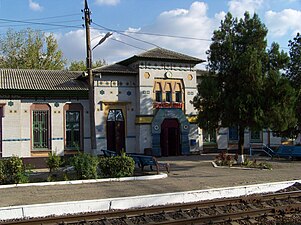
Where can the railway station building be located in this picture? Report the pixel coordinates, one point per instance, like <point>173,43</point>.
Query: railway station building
<point>142,105</point>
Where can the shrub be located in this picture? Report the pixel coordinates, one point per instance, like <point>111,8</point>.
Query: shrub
<point>12,171</point>
<point>85,165</point>
<point>54,161</point>
<point>253,164</point>
<point>224,160</point>
<point>117,166</point>
<point>2,173</point>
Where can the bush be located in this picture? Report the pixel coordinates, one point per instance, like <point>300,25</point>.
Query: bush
<point>117,166</point>
<point>224,160</point>
<point>85,165</point>
<point>12,171</point>
<point>54,161</point>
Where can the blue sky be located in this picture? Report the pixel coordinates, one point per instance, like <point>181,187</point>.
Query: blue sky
<point>185,18</point>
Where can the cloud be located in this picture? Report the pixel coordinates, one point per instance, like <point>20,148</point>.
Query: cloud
<point>285,22</point>
<point>238,7</point>
<point>107,2</point>
<point>35,6</point>
<point>191,22</point>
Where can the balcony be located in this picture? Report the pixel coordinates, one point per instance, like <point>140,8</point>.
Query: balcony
<point>161,105</point>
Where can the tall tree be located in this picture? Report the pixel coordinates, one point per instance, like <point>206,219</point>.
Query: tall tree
<point>29,49</point>
<point>81,65</point>
<point>241,72</point>
<point>294,74</point>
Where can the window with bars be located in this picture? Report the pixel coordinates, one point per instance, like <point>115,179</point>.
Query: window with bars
<point>233,133</point>
<point>115,115</point>
<point>209,136</point>
<point>256,136</point>
<point>40,129</point>
<point>73,129</point>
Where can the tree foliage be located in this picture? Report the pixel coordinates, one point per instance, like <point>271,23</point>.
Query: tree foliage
<point>30,49</point>
<point>294,74</point>
<point>244,88</point>
<point>81,65</point>
<point>294,67</point>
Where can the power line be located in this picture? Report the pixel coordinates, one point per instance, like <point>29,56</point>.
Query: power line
<point>154,34</point>
<point>51,17</point>
<point>137,39</point>
<point>114,39</point>
<point>37,23</point>
<point>8,24</point>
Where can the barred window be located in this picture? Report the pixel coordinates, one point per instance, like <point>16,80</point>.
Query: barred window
<point>40,129</point>
<point>73,129</point>
<point>233,133</point>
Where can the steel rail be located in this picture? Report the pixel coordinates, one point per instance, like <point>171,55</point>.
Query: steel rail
<point>95,216</point>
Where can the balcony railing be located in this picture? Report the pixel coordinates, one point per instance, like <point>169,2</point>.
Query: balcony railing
<point>160,105</point>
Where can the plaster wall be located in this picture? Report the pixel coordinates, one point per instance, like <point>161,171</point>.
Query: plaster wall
<point>17,126</point>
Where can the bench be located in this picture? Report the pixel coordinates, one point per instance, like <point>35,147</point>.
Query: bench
<point>143,160</point>
<point>108,153</point>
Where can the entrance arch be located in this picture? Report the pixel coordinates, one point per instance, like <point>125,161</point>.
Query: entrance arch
<point>170,137</point>
<point>183,131</point>
<point>115,131</point>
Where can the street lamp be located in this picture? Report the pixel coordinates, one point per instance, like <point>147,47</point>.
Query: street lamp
<point>90,74</point>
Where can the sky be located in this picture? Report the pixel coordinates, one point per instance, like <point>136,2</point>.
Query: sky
<point>184,26</point>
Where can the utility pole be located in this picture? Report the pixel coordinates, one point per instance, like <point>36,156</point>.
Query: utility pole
<point>90,76</point>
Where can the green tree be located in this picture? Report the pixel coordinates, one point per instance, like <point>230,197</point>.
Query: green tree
<point>294,74</point>
<point>30,49</point>
<point>242,79</point>
<point>81,65</point>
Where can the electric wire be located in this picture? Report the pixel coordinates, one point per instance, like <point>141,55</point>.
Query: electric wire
<point>152,34</point>
<point>137,39</point>
<point>19,25</point>
<point>37,23</point>
<point>50,17</point>
<point>114,39</point>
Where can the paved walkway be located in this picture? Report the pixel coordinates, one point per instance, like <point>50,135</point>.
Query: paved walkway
<point>193,172</point>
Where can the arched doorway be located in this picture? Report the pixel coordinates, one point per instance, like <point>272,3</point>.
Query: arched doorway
<point>170,137</point>
<point>115,130</point>
<point>183,124</point>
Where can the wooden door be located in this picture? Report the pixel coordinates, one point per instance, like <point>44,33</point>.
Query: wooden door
<point>115,130</point>
<point>170,138</point>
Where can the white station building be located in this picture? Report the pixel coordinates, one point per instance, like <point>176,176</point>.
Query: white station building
<point>142,105</point>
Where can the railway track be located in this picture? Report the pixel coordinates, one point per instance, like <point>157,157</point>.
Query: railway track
<point>254,209</point>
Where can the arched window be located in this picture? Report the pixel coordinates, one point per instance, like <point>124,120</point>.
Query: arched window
<point>158,92</point>
<point>41,123</point>
<point>178,93</point>
<point>168,92</point>
<point>73,116</point>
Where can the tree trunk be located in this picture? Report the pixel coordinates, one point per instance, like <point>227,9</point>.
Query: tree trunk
<point>241,140</point>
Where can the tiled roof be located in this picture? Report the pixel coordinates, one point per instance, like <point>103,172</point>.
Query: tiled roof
<point>115,68</point>
<point>162,55</point>
<point>54,80</point>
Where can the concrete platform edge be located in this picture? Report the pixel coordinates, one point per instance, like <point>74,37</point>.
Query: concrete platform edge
<point>61,208</point>
<point>148,177</point>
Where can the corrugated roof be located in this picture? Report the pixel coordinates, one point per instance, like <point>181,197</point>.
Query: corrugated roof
<point>26,79</point>
<point>162,55</point>
<point>115,68</point>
